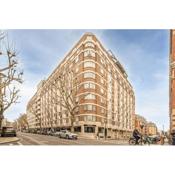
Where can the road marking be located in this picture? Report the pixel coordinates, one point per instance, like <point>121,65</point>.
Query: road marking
<point>32,139</point>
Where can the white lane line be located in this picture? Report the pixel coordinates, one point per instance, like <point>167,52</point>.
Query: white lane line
<point>32,139</point>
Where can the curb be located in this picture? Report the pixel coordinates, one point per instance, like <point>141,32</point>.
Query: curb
<point>2,143</point>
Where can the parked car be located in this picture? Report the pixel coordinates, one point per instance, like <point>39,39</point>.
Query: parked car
<point>38,132</point>
<point>67,134</point>
<point>8,131</point>
<point>50,132</point>
<point>25,131</point>
<point>44,132</point>
<point>57,134</point>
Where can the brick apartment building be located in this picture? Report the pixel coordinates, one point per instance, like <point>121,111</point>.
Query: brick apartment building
<point>172,80</point>
<point>148,128</point>
<point>105,98</point>
<point>151,128</point>
<point>140,124</point>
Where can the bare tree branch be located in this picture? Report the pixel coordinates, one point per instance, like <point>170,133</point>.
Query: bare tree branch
<point>9,76</point>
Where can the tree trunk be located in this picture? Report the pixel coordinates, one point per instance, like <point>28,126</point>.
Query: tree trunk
<point>1,118</point>
<point>72,125</point>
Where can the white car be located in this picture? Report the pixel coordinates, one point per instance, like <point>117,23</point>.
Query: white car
<point>57,133</point>
<point>67,134</point>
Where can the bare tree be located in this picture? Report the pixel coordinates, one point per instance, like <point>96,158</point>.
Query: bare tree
<point>65,93</point>
<point>22,122</point>
<point>9,76</point>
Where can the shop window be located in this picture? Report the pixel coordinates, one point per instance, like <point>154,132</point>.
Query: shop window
<point>89,129</point>
<point>77,129</point>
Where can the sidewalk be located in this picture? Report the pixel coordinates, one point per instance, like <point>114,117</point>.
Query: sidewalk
<point>5,140</point>
<point>107,140</point>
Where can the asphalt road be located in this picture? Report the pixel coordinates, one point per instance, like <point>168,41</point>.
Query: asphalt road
<point>37,139</point>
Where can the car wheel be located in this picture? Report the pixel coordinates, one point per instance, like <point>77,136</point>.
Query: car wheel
<point>67,137</point>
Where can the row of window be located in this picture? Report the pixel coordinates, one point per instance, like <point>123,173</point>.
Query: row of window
<point>92,75</point>
<point>92,86</point>
<point>93,97</point>
<point>90,107</point>
<point>91,64</point>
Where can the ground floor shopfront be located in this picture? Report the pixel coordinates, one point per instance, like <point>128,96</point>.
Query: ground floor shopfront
<point>91,131</point>
<point>94,131</point>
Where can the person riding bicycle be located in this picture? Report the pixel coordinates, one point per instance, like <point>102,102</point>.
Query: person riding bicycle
<point>136,135</point>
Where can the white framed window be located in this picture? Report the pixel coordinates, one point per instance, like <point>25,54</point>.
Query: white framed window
<point>102,111</point>
<point>102,81</point>
<point>102,100</point>
<point>90,97</point>
<point>74,50</point>
<point>77,69</point>
<point>89,53</point>
<point>102,91</point>
<point>89,86</point>
<point>102,71</point>
<point>89,75</point>
<point>109,69</point>
<point>100,52</point>
<point>89,118</point>
<point>77,99</point>
<point>89,44</point>
<point>76,59</point>
<point>89,108</point>
<point>89,64</point>
<point>78,51</point>
<point>101,60</point>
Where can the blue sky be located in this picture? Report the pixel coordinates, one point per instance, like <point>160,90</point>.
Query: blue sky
<point>143,53</point>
